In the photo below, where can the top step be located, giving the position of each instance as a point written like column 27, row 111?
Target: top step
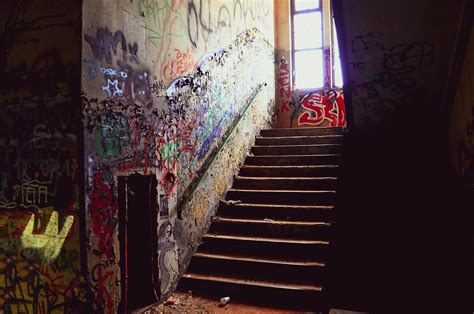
column 302, row 132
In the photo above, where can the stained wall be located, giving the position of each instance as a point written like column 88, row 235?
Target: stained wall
column 162, row 83
column 40, row 158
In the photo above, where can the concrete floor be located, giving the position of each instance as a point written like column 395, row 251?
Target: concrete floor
column 186, row 303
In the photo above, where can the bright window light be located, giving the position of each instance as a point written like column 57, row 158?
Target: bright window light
column 308, row 30
column 309, row 69
column 306, row 4
column 337, row 60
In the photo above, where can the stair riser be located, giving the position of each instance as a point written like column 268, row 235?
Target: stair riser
column 264, row 249
column 301, row 300
column 253, row 270
column 296, row 150
column 292, row 160
column 299, row 141
column 269, row 184
column 302, row 132
column 288, row 172
column 288, row 214
column 284, row 198
column 271, row 230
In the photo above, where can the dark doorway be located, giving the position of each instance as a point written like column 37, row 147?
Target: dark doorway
column 138, row 241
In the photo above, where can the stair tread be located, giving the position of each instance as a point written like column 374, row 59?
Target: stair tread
column 283, row 191
column 296, row 166
column 280, row 156
column 253, row 282
column 271, row 221
column 296, row 136
column 286, row 178
column 282, row 206
column 244, row 258
column 296, row 146
column 264, row 239
column 310, row 128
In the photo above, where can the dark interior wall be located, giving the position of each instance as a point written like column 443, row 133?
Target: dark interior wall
column 401, row 234
column 40, row 157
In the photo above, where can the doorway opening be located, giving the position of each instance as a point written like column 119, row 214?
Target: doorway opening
column 138, row 241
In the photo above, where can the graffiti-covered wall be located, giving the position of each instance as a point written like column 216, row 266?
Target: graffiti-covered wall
column 395, row 68
column 163, row 82
column 40, row 158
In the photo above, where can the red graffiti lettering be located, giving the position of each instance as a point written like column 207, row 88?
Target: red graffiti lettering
column 323, row 107
column 284, row 85
column 103, row 213
column 180, row 65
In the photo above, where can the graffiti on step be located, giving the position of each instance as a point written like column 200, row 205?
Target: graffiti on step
column 392, row 80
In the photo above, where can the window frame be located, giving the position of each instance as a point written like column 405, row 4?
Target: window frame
column 293, row 12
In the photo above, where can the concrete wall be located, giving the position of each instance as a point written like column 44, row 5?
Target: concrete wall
column 305, row 108
column 395, row 65
column 40, row 158
column 162, row 82
column 461, row 139
column 400, row 231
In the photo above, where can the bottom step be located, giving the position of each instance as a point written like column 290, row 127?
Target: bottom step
column 297, row 297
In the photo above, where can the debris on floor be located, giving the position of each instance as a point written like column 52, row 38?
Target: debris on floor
column 225, row 300
column 233, row 202
column 187, row 303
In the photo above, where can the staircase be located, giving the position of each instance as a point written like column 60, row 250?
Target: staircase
column 269, row 240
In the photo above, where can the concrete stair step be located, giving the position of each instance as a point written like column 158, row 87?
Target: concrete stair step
column 298, row 140
column 276, row 183
column 304, row 272
column 264, row 247
column 271, row 228
column 301, row 132
column 283, row 197
column 288, row 171
column 289, row 150
column 292, row 160
column 275, row 212
column 286, row 261
column 304, row 297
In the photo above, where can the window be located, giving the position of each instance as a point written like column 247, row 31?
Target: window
column 336, row 64
column 308, row 45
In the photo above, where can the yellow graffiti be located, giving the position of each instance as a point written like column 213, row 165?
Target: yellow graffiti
column 51, row 241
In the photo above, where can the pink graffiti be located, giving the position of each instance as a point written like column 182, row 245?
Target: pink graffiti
column 284, row 85
column 328, row 106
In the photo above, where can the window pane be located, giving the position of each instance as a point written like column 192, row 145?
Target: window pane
column 309, row 69
column 337, row 72
column 337, row 59
column 308, row 30
column 306, row 4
